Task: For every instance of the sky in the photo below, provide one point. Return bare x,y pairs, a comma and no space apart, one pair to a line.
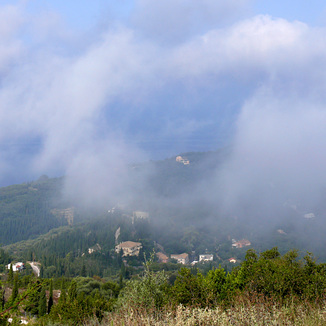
86,87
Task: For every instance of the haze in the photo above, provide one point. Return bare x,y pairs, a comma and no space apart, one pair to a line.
87,88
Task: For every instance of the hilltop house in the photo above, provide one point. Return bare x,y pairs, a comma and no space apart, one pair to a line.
183,160
129,248
181,259
205,257
232,260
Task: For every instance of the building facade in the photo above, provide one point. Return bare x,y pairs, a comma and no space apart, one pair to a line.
129,248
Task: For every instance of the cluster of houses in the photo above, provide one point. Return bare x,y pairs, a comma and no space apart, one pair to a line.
131,248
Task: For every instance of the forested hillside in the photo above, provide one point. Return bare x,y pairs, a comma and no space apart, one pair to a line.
172,178
33,208
25,209
181,219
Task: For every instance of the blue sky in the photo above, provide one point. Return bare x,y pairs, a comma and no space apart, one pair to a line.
84,14
88,84
310,12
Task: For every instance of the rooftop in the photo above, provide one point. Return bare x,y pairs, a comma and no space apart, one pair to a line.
129,244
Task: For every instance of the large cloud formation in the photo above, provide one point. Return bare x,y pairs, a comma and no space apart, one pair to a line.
170,76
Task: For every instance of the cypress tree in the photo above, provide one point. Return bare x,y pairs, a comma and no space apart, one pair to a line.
2,298
10,275
42,303
32,305
121,281
123,271
72,291
42,271
83,270
14,294
63,295
50,302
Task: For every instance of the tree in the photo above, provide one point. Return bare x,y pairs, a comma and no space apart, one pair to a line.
189,289
83,270
60,310
2,298
10,275
14,294
72,291
42,271
32,305
214,284
69,310
50,302
148,292
42,303
120,281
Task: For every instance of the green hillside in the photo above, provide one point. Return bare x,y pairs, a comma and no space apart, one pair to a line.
25,209
31,209
37,223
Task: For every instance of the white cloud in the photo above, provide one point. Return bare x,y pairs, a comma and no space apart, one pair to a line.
80,104
277,155
11,20
258,43
61,99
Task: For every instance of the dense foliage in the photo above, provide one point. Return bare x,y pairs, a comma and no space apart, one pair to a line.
262,278
25,210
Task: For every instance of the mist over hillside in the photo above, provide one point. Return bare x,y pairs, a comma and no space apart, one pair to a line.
165,133
202,194
159,80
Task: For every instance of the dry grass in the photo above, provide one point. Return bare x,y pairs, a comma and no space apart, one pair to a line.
239,315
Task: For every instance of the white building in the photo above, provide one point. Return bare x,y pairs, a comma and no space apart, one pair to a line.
206,257
17,267
181,259
129,248
232,260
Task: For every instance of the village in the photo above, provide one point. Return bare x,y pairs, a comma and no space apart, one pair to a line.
129,249
132,248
